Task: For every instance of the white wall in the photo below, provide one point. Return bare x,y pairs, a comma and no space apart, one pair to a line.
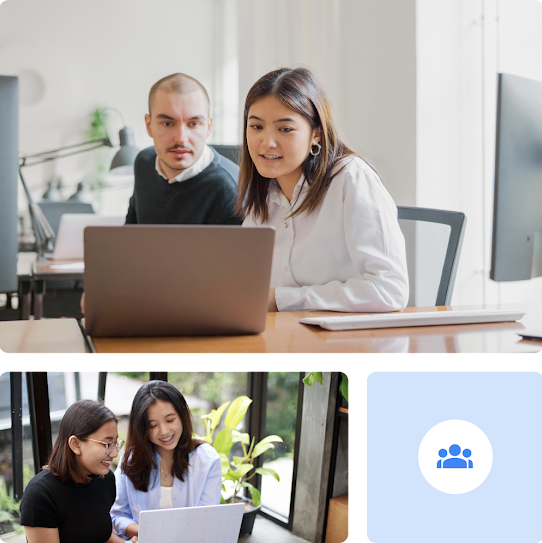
98,53
363,52
461,46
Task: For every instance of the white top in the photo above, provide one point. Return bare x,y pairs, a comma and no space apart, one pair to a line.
166,497
203,161
201,486
348,255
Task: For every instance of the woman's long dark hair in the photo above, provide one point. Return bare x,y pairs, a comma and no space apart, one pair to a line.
81,419
139,457
299,90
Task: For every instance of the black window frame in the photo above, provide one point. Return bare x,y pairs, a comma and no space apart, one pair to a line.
40,424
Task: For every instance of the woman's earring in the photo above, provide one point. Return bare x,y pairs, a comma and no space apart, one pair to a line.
318,151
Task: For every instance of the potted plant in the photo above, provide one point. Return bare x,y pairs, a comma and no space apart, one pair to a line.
240,470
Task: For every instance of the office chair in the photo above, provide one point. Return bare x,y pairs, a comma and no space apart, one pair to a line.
456,222
233,152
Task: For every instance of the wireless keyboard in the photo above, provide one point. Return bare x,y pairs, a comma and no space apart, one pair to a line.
424,318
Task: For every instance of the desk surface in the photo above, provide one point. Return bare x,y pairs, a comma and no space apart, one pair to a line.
42,271
285,334
42,336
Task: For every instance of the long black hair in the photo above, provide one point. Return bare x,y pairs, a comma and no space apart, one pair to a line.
139,457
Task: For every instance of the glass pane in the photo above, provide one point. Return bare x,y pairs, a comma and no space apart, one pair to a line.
203,391
281,414
10,508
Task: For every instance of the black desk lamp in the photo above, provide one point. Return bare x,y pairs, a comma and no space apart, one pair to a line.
121,164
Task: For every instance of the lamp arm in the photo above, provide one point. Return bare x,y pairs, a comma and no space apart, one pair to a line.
104,142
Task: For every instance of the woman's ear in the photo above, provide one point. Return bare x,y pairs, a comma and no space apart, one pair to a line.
316,135
75,445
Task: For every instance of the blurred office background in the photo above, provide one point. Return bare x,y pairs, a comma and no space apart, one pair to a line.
413,84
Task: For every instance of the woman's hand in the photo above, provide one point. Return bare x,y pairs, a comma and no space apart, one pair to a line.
271,303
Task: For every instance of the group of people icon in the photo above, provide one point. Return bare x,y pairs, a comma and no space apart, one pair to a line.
454,461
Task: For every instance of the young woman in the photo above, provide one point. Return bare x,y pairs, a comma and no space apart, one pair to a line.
70,499
338,245
163,467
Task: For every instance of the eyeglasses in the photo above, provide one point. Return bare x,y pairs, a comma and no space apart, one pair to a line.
109,446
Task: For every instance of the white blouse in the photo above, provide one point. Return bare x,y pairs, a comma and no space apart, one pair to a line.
348,255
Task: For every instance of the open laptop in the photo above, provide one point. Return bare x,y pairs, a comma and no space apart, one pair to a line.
153,280
205,524
69,240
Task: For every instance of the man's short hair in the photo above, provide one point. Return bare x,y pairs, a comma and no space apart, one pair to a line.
179,84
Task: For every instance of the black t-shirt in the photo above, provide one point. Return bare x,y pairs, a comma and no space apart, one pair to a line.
80,512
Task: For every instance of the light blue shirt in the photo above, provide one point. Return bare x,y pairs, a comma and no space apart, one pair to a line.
201,486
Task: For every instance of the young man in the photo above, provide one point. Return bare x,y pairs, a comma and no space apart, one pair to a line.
181,180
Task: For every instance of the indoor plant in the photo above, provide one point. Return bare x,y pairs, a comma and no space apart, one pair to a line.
240,470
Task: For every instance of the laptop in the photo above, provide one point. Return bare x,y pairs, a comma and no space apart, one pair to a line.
175,280
205,524
69,240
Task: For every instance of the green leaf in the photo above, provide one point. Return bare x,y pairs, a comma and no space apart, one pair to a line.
255,495
243,469
344,386
222,500
231,476
223,442
268,471
308,379
225,464
237,411
238,460
217,415
318,377
243,438
265,444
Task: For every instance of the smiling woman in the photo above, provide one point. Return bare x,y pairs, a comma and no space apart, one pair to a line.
71,498
163,466
338,245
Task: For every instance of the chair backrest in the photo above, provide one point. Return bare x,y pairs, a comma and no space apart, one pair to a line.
233,152
456,222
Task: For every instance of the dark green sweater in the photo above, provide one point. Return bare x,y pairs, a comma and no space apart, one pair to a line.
207,198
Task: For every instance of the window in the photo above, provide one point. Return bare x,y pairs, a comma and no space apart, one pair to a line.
280,419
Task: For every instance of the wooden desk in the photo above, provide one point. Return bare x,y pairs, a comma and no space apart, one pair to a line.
285,334
42,272
43,336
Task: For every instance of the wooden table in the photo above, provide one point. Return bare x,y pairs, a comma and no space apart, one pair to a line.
43,272
284,334
43,336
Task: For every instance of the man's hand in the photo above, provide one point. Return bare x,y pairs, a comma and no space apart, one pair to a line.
272,304
82,304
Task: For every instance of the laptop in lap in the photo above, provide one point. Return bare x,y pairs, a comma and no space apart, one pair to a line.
173,280
205,524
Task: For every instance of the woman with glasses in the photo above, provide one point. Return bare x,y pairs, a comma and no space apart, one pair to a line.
163,467
70,499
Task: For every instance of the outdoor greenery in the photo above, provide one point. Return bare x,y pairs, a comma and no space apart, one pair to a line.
9,510
240,470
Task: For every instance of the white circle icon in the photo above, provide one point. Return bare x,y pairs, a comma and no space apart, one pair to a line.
455,456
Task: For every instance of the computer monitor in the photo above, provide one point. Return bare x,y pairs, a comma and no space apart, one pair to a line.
517,212
9,168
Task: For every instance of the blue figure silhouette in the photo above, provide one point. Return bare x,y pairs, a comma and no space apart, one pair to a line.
454,462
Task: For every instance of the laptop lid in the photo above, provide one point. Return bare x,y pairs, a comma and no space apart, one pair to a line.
173,280
205,524
69,241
